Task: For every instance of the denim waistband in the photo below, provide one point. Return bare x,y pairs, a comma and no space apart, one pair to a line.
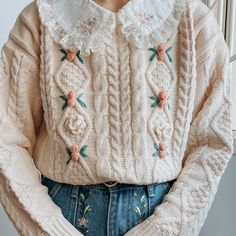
117,187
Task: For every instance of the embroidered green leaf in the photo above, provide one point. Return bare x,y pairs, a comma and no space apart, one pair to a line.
63,51
156,101
137,210
82,196
82,151
168,55
69,152
153,50
155,53
87,209
80,101
168,49
63,58
65,104
145,205
156,152
63,98
68,161
65,54
142,198
79,57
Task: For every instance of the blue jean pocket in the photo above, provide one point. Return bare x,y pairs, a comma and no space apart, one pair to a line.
61,195
53,187
159,192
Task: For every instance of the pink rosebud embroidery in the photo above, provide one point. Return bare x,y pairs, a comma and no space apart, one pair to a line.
162,99
70,55
161,52
71,99
83,221
75,152
161,150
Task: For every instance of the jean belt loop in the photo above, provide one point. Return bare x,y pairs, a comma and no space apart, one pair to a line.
150,190
75,191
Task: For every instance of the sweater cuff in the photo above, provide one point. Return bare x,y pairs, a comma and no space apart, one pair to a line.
26,225
60,226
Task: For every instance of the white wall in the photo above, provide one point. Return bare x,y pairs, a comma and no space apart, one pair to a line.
221,218
8,12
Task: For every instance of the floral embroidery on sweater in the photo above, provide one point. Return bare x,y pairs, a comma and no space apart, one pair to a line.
71,101
74,152
144,19
70,56
160,53
192,197
87,26
159,100
159,150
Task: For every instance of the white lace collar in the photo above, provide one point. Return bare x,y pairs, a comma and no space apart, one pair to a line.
85,25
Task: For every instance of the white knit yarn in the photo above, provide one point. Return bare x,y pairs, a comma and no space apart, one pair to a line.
118,124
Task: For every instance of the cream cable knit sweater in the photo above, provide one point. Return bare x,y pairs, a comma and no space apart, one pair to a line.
145,98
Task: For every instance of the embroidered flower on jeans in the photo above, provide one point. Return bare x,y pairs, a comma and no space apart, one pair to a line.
159,52
87,26
70,56
83,221
140,210
84,209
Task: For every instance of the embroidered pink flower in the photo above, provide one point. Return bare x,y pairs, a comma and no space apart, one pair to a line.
162,99
71,98
161,150
87,26
83,221
70,55
143,18
161,52
75,152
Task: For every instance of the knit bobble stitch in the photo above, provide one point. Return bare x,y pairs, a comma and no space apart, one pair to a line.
161,150
75,152
162,99
71,98
70,55
161,52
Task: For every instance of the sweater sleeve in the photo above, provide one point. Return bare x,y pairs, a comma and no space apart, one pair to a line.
209,147
24,198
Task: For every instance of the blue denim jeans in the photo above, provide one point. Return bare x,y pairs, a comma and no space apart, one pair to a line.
106,210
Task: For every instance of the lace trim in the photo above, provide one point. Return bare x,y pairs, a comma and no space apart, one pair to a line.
144,23
152,26
80,37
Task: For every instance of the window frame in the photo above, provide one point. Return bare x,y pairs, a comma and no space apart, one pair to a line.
226,16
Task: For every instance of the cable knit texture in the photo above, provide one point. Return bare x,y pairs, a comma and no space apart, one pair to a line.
141,100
